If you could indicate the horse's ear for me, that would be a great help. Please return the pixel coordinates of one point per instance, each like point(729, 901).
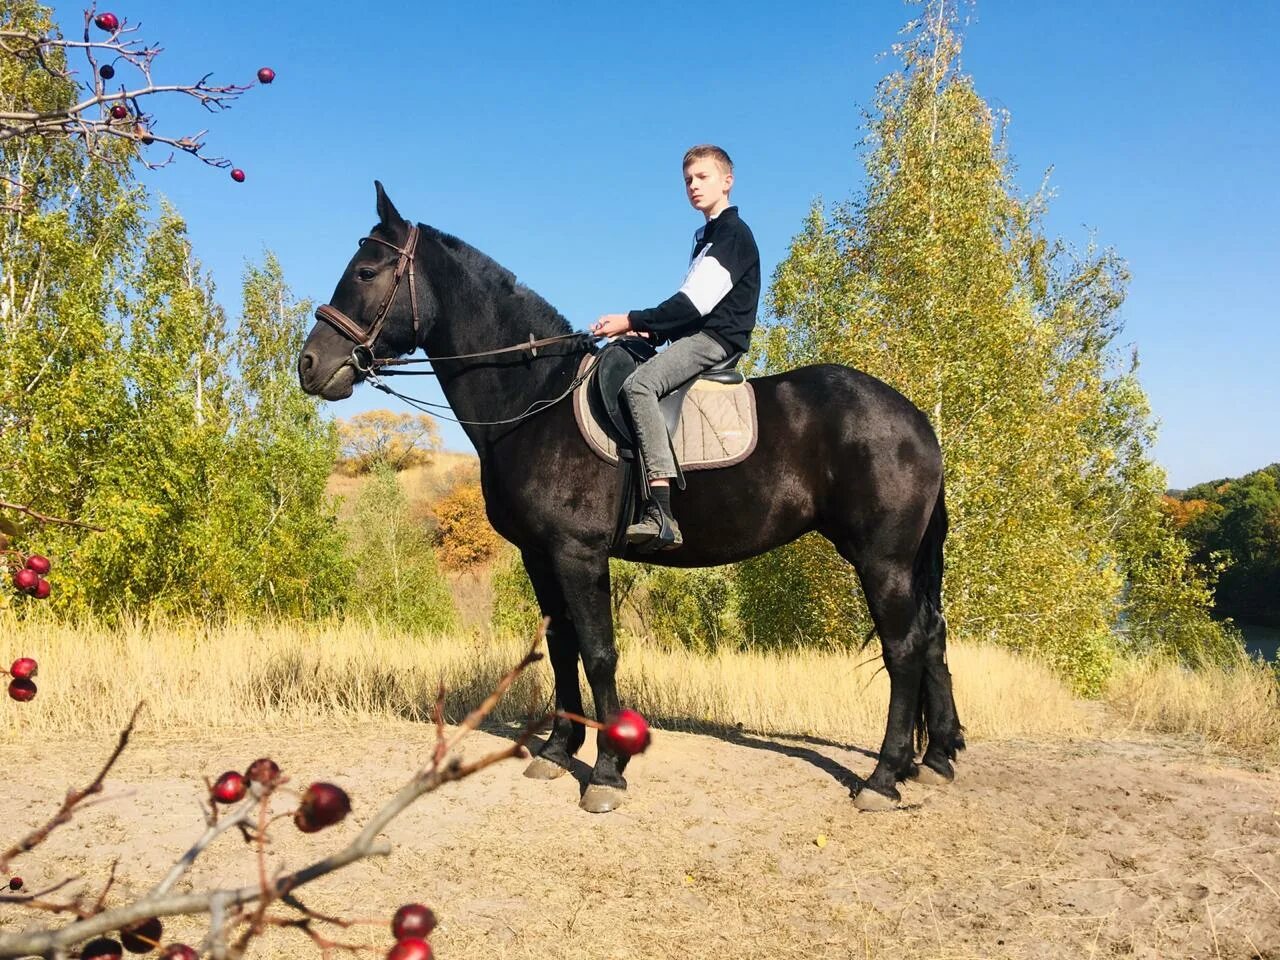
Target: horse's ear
point(387, 211)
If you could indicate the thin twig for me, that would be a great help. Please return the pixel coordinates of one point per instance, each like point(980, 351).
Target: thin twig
point(73, 797)
point(44, 518)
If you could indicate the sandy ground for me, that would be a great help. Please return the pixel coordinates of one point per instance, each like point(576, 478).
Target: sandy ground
point(742, 847)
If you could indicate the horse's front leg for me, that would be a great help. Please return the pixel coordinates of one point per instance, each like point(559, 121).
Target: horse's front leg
point(584, 578)
point(562, 644)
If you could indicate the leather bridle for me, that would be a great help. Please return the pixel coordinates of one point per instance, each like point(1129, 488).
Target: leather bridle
point(362, 353)
point(365, 362)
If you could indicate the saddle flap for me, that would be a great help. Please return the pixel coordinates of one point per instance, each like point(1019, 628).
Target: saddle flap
point(614, 363)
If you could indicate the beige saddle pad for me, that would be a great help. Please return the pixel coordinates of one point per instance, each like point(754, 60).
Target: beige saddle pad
point(717, 426)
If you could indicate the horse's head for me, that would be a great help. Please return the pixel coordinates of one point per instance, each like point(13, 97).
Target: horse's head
point(380, 308)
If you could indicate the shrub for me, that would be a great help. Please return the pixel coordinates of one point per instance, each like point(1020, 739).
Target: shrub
point(515, 607)
point(466, 538)
point(397, 580)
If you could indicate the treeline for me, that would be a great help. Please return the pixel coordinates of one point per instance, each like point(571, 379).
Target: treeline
point(1233, 525)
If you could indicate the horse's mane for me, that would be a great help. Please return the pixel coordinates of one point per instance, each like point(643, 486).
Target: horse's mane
point(541, 315)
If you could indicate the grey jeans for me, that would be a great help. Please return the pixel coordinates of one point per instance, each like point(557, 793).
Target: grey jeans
point(677, 364)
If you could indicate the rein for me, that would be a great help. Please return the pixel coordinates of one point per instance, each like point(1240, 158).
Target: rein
point(536, 407)
point(363, 359)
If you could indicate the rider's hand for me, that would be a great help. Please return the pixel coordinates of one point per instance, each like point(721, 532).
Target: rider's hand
point(611, 325)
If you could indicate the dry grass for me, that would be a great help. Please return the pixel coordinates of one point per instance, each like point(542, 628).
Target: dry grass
point(197, 676)
point(1235, 709)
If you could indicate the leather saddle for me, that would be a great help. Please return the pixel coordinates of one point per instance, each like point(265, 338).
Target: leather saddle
point(615, 362)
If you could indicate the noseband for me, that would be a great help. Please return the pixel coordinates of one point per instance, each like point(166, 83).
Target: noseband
point(362, 353)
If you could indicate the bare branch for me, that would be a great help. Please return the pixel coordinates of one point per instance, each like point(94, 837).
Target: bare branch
point(90, 118)
point(73, 797)
point(44, 518)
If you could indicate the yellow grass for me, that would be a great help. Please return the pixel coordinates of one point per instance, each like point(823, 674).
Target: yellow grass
point(285, 676)
point(1236, 709)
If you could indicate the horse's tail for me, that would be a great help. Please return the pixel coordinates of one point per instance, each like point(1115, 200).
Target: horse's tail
point(927, 575)
point(927, 585)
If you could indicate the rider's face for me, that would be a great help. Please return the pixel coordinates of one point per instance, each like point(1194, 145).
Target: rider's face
point(707, 185)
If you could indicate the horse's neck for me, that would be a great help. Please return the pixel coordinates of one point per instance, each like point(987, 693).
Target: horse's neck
point(477, 313)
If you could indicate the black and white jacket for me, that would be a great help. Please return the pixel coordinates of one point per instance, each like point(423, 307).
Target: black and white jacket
point(720, 293)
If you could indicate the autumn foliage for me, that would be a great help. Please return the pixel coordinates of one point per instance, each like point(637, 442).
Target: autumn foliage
point(1182, 512)
point(466, 538)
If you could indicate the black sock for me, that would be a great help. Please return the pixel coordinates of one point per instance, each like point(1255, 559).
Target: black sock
point(662, 496)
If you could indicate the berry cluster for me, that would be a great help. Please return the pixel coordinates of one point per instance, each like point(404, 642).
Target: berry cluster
point(411, 926)
point(322, 804)
point(30, 577)
point(22, 688)
point(110, 23)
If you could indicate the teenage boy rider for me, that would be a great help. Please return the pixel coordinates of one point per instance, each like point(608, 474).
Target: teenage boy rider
point(709, 319)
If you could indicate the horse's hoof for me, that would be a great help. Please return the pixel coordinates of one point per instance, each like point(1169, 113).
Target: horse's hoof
point(872, 801)
point(541, 768)
point(599, 799)
point(923, 773)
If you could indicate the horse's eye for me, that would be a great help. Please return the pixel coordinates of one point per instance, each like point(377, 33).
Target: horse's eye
point(365, 273)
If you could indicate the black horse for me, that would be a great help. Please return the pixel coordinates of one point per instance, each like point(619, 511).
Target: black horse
point(840, 452)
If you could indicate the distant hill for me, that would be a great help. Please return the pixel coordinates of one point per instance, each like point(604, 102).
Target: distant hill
point(422, 485)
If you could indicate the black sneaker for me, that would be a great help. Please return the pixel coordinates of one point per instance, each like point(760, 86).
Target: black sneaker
point(654, 531)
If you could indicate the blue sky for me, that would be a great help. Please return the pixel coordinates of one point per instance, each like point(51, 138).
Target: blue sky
point(550, 136)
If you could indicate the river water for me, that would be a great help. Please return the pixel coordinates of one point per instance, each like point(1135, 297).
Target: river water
point(1262, 641)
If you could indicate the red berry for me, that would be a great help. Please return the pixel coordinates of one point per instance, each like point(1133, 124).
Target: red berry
point(322, 805)
point(15, 883)
point(628, 732)
point(179, 951)
point(26, 580)
point(106, 71)
point(41, 591)
point(24, 668)
point(237, 175)
point(38, 563)
point(143, 936)
point(229, 788)
point(413, 920)
point(264, 770)
point(266, 75)
point(107, 21)
point(101, 949)
point(119, 111)
point(410, 948)
point(22, 689)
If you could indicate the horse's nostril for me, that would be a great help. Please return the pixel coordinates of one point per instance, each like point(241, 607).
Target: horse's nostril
point(305, 363)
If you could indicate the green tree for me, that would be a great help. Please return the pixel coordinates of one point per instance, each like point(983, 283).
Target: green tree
point(280, 547)
point(940, 280)
point(1239, 527)
point(150, 482)
point(69, 225)
point(396, 578)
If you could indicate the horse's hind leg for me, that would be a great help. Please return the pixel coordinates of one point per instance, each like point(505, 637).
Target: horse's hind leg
point(939, 724)
point(944, 735)
point(895, 609)
point(562, 643)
